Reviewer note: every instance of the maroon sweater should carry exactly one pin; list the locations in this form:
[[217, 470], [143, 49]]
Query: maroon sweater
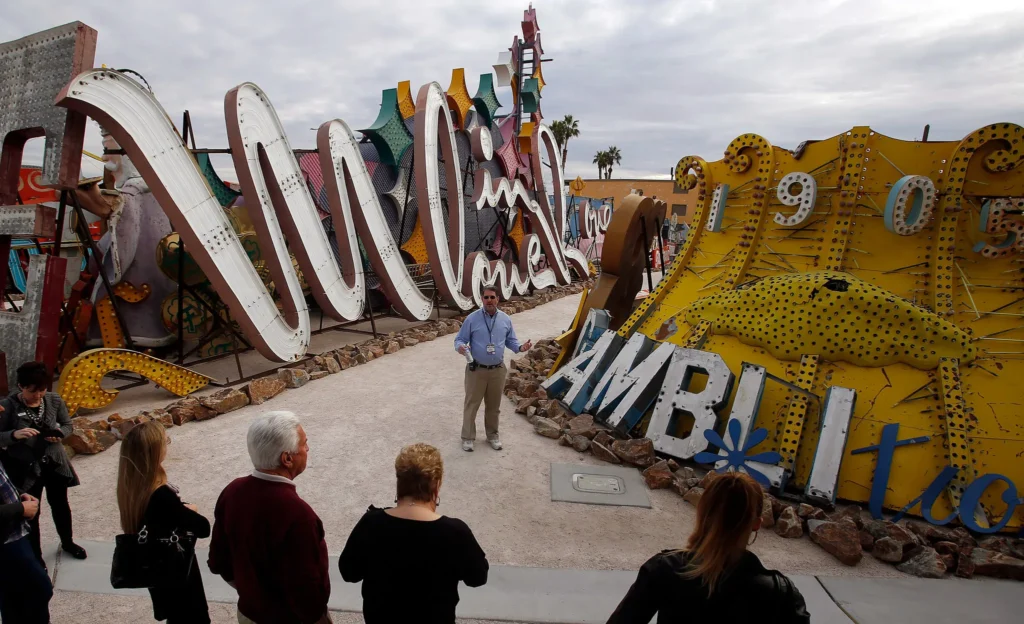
[[270, 544]]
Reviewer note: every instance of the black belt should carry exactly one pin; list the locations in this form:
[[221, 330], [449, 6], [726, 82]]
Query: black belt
[[476, 365]]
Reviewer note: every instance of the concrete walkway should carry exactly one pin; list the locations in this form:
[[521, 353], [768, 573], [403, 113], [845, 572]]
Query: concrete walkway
[[523, 594]]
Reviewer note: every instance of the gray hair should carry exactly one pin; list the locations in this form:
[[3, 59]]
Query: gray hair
[[270, 435]]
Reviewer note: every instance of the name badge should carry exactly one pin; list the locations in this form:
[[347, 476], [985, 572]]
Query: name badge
[[490, 349]]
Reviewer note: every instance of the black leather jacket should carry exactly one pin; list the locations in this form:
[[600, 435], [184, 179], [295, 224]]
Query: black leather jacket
[[749, 593]]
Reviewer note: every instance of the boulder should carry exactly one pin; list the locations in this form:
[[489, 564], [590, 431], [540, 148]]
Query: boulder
[[583, 425], [604, 439], [929, 532], [1006, 545], [810, 512], [331, 365], [189, 409], [602, 452], [767, 517], [926, 564], [887, 549], [866, 541], [996, 565], [853, 512], [265, 388], [226, 400], [84, 422], [693, 495], [392, 347], [788, 524], [293, 377], [320, 374], [680, 485], [525, 403], [547, 428], [839, 539], [580, 443], [658, 476], [90, 441], [639, 452]]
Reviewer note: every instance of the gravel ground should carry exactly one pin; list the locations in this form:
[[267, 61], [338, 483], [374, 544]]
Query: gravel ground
[[76, 607], [358, 420]]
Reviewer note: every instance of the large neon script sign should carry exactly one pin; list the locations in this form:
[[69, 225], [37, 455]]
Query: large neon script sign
[[285, 215]]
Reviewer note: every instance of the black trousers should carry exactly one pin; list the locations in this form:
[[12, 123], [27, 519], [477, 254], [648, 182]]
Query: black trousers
[[57, 498], [25, 590]]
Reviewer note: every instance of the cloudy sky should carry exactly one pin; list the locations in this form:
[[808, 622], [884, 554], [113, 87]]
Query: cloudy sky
[[659, 80]]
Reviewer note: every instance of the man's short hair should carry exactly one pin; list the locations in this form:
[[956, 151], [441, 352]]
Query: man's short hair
[[33, 375], [493, 289], [270, 435]]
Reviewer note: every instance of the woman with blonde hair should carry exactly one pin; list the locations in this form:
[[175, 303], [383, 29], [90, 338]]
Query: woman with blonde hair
[[716, 576], [409, 558], [147, 501]]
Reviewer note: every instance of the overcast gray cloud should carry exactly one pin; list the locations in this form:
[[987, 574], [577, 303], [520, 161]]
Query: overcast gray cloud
[[658, 79]]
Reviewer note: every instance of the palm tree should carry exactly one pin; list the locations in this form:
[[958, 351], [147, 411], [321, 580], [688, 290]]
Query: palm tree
[[614, 158], [571, 128], [601, 160]]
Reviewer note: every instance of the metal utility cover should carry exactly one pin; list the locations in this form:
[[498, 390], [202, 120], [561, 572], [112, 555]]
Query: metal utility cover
[[598, 485]]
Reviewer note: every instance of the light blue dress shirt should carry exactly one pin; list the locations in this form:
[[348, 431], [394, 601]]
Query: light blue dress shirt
[[481, 329]]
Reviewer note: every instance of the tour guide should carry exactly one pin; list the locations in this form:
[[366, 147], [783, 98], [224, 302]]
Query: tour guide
[[484, 335]]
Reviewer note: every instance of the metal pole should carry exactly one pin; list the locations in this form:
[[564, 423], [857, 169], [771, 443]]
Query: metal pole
[[924, 136], [647, 255], [61, 210], [661, 247], [373, 324], [181, 297], [83, 232]]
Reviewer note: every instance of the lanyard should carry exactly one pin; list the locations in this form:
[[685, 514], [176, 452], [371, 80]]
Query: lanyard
[[490, 327]]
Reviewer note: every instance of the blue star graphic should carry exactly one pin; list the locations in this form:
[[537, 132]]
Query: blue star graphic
[[736, 458]]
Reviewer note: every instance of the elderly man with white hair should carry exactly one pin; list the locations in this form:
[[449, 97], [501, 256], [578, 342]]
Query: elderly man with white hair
[[267, 542]]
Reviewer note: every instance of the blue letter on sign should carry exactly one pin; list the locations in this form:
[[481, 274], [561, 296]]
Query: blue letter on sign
[[885, 448]]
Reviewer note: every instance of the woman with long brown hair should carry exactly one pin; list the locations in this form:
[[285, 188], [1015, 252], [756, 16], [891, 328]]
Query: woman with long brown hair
[[716, 576], [145, 499]]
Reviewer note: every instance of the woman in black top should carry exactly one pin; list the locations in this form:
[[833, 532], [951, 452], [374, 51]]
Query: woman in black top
[[32, 424], [716, 578], [409, 558], [145, 499]]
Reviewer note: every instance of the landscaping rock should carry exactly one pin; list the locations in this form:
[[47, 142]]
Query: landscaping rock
[[583, 425], [778, 507], [887, 549], [547, 428], [686, 472], [293, 377], [767, 517], [603, 453], [115, 417], [929, 532], [565, 440], [226, 400], [604, 439], [810, 512], [926, 564], [90, 441], [525, 403], [693, 495], [392, 347], [996, 565], [265, 388], [320, 374], [84, 422], [853, 512], [580, 443], [159, 415], [658, 476], [331, 365], [788, 524], [1005, 545], [866, 541], [188, 409], [639, 452], [680, 486], [839, 539]]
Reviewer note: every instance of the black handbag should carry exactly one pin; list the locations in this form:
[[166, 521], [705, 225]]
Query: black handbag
[[141, 560]]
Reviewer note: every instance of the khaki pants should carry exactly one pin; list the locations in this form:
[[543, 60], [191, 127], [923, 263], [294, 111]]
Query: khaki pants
[[483, 384]]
